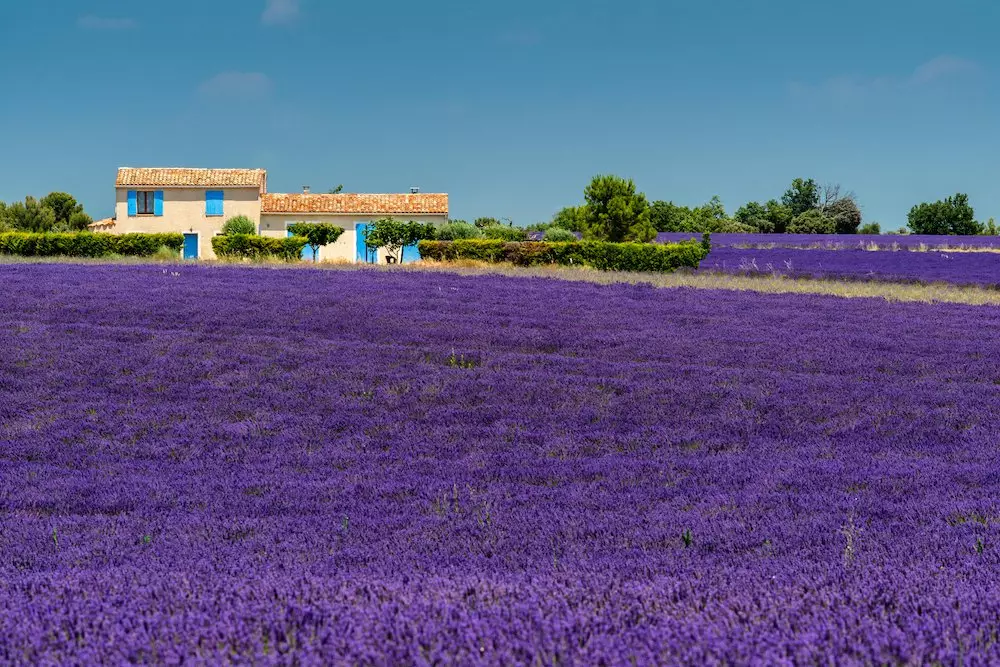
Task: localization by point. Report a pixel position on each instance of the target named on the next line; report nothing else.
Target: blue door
(365, 254)
(190, 246)
(307, 251)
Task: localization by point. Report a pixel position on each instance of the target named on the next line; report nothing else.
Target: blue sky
(510, 107)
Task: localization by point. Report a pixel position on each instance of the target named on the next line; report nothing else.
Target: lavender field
(841, 241)
(216, 465)
(959, 268)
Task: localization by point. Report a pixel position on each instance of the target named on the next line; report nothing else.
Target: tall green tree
(802, 196)
(667, 216)
(953, 215)
(616, 212)
(30, 216)
(63, 204)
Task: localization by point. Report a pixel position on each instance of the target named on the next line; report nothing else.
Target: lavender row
(840, 241)
(218, 464)
(960, 268)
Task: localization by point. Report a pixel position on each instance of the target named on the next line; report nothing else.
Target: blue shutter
(214, 202)
(132, 208)
(158, 202)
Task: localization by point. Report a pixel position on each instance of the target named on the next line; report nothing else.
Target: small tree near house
(318, 234)
(394, 235)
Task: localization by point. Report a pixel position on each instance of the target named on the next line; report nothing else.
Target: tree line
(613, 210)
(55, 212)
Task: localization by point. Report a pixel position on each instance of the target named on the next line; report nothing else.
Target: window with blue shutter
(158, 202)
(132, 209)
(213, 203)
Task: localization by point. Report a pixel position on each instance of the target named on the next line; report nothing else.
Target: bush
(87, 244)
(505, 233)
(559, 235)
(239, 224)
(812, 222)
(598, 254)
(870, 228)
(251, 246)
(454, 231)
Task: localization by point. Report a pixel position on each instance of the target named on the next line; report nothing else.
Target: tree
(239, 224)
(63, 204)
(394, 235)
(754, 215)
(458, 229)
(336, 191)
(616, 212)
(667, 216)
(486, 222)
(559, 235)
(802, 196)
(30, 216)
(79, 221)
(871, 228)
(317, 234)
(778, 215)
(953, 215)
(990, 228)
(813, 221)
(842, 207)
(5, 226)
(573, 218)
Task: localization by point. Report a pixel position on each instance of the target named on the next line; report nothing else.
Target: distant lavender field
(960, 268)
(216, 465)
(838, 241)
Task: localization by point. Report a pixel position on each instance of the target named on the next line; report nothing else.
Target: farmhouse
(196, 203)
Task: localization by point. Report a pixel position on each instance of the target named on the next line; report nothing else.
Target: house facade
(196, 203)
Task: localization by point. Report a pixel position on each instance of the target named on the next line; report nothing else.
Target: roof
(192, 178)
(355, 203)
(99, 224)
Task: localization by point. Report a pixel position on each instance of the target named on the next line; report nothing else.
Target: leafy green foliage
(803, 195)
(573, 218)
(870, 228)
(560, 235)
(239, 224)
(394, 235)
(953, 215)
(456, 230)
(63, 205)
(812, 221)
(615, 212)
(505, 233)
(667, 216)
(87, 244)
(30, 216)
(78, 221)
(598, 254)
(990, 228)
(486, 222)
(251, 246)
(336, 191)
(317, 234)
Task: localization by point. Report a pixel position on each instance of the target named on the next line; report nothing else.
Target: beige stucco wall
(184, 211)
(345, 249)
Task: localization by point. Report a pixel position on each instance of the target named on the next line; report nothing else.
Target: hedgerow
(87, 244)
(246, 246)
(597, 254)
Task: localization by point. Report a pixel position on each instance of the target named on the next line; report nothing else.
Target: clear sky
(509, 106)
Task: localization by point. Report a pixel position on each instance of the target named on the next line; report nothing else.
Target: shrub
(454, 231)
(870, 228)
(560, 235)
(812, 222)
(239, 224)
(505, 233)
(247, 246)
(87, 244)
(598, 254)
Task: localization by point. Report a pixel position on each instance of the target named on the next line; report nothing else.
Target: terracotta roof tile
(179, 178)
(102, 224)
(355, 203)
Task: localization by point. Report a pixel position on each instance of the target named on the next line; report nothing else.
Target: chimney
(414, 191)
(305, 189)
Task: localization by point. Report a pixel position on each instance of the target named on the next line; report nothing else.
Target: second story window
(145, 203)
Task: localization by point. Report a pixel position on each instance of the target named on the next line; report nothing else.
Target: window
(145, 203)
(214, 202)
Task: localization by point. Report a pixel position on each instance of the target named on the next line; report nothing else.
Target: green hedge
(246, 246)
(87, 244)
(597, 254)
